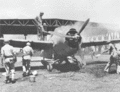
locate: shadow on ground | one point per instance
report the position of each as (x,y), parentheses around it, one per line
(96,62)
(19,68)
(97,69)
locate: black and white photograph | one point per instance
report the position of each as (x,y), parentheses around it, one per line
(59,45)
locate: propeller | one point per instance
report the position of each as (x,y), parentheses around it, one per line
(84,25)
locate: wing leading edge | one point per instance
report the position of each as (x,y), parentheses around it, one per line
(39,45)
(97,43)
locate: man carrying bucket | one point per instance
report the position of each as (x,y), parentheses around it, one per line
(27,54)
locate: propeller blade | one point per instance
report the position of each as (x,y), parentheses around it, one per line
(84,25)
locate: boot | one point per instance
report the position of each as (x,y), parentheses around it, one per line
(8,80)
(29,73)
(13,81)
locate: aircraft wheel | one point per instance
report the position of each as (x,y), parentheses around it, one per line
(49,67)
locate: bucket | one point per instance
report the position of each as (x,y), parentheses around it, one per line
(35,73)
(32,78)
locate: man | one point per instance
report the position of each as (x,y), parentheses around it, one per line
(93,51)
(27,54)
(113,56)
(8,58)
(118,58)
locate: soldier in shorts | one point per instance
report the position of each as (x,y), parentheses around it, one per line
(27,54)
(118,58)
(8,59)
(113,55)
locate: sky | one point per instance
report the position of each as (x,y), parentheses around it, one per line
(103,11)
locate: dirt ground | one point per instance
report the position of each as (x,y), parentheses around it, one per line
(92,78)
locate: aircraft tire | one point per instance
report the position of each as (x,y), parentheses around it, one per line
(49,67)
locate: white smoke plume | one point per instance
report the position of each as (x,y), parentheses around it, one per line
(65,29)
(92,29)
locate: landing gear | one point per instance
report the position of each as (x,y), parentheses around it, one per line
(47,64)
(76,61)
(71,62)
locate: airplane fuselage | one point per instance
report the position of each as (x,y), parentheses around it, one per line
(62,47)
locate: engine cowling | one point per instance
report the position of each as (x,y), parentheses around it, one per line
(76,40)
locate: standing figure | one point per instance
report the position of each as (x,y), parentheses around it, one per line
(118,58)
(27,54)
(113,56)
(93,52)
(8,59)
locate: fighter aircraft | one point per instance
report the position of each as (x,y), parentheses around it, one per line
(60,47)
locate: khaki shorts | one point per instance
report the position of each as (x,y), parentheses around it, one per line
(25,62)
(9,63)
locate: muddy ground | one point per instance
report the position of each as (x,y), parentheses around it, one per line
(92,78)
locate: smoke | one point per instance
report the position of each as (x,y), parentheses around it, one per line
(92,29)
(65,29)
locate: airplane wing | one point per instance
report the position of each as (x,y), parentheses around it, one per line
(97,43)
(39,45)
